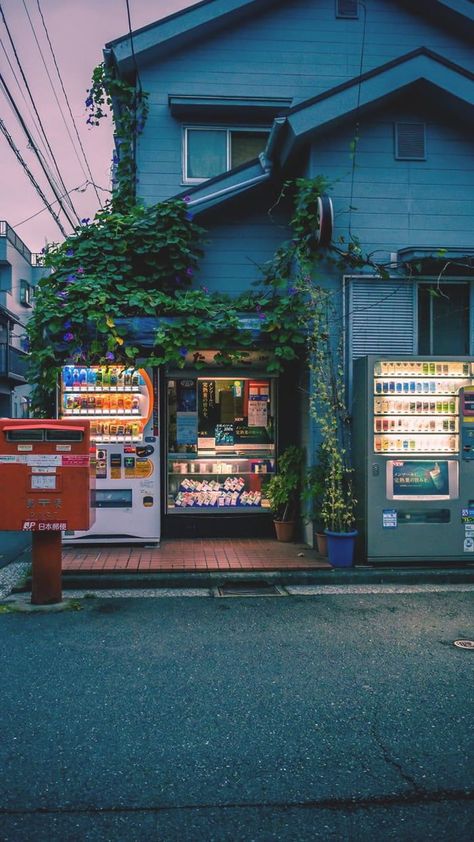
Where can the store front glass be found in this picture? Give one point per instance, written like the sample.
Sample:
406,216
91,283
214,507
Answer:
221,443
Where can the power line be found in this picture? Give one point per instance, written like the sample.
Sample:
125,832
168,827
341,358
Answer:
54,188
67,102
34,148
81,188
53,89
35,184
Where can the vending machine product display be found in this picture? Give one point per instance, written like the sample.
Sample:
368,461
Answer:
120,404
413,436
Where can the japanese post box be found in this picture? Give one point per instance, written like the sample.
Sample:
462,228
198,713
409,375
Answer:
45,478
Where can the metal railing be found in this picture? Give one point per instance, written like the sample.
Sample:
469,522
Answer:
13,362
7,231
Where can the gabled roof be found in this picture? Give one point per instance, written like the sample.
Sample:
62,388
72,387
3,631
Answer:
180,29
421,70
209,16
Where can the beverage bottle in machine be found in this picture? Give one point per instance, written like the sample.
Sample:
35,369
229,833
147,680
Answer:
98,378
91,378
68,376
83,377
106,378
113,378
75,378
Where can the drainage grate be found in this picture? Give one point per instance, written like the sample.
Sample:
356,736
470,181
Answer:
464,644
250,589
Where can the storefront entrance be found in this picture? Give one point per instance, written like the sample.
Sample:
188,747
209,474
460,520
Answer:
219,449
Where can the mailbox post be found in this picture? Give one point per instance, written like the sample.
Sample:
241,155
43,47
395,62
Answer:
45,488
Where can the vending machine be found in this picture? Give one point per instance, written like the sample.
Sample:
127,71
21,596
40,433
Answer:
413,453
121,405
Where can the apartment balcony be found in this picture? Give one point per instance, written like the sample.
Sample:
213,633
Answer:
13,363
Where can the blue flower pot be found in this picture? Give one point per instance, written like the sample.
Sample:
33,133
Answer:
341,547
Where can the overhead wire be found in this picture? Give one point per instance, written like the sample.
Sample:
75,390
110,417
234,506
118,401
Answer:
33,146
67,102
53,89
81,188
30,175
40,122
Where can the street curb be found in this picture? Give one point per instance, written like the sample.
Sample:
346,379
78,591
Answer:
211,579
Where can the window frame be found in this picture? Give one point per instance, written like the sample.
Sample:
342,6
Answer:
229,130
26,293
431,281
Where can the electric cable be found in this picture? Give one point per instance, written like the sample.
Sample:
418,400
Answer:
30,175
53,89
67,103
34,148
39,122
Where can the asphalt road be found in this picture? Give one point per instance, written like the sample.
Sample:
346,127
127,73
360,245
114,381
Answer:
344,717
12,545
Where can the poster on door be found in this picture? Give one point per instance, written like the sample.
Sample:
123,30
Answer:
258,411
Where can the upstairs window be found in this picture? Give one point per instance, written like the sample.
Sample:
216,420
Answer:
443,319
26,294
347,9
210,152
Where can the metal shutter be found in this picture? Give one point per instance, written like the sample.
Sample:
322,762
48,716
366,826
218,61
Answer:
380,317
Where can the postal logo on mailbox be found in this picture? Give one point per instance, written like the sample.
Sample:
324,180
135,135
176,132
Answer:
41,526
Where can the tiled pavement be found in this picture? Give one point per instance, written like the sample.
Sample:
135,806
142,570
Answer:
194,554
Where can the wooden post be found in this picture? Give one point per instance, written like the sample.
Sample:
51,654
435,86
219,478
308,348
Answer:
46,586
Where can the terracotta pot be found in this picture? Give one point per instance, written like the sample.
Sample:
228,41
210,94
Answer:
285,530
321,543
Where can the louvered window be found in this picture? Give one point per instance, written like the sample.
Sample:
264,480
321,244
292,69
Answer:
410,141
347,8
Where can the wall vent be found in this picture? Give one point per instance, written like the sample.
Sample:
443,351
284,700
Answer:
347,8
410,141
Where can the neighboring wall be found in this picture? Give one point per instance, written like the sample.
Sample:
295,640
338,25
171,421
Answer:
296,50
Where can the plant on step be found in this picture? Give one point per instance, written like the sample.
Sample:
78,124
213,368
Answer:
283,489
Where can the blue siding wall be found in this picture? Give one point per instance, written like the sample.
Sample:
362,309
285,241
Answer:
295,50
399,204
239,244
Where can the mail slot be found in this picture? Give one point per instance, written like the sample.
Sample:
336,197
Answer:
45,475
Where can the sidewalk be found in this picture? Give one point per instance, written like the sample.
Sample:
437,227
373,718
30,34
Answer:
195,563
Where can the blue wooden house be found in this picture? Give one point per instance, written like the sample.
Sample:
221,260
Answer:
378,97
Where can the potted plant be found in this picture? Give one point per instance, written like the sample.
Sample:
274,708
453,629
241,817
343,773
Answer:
328,409
283,491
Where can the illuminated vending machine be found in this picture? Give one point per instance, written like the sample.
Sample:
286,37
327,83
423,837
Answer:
413,448
120,404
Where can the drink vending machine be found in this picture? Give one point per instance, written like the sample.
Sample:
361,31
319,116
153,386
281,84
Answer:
413,455
121,405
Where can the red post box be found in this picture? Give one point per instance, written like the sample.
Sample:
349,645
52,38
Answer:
45,487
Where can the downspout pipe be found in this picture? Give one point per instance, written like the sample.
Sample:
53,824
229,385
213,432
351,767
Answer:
266,162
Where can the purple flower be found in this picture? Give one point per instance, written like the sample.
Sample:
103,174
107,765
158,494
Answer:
62,295
189,216
292,290
109,356
205,289
183,351
85,221
67,324
258,308
80,270
69,252
89,102
68,337
261,316
70,279
187,199
189,272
